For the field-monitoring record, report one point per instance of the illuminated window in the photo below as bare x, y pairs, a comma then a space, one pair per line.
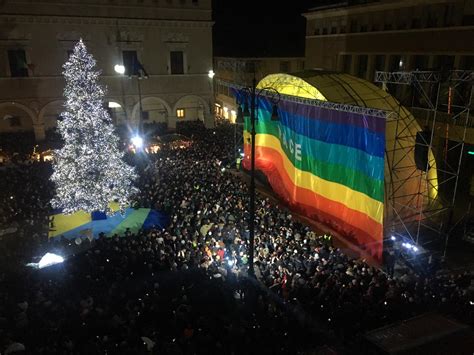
180, 113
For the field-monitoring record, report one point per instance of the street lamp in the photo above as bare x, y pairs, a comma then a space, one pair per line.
137, 141
138, 70
252, 94
120, 69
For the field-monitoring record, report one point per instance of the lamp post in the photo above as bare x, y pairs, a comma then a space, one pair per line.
138, 70
252, 94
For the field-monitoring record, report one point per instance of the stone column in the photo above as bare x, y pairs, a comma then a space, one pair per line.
431, 61
39, 131
354, 64
370, 68
457, 62
172, 123
388, 58
410, 63
209, 120
340, 62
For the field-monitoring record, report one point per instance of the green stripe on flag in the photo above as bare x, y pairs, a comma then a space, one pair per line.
134, 222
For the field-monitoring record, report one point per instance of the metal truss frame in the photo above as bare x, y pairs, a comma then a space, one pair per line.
418, 213
320, 103
407, 78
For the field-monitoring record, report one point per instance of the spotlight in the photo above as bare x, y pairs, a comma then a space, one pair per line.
393, 238
137, 141
50, 259
211, 74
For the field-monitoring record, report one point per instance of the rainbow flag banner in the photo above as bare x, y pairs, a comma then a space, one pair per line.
327, 164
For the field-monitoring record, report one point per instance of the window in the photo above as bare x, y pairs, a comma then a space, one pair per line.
285, 66
380, 63
325, 31
317, 31
353, 26
415, 23
346, 63
395, 61
362, 69
448, 15
401, 26
195, 2
468, 20
180, 113
343, 29
375, 27
444, 61
432, 20
15, 121
421, 62
467, 62
333, 30
363, 28
176, 61
387, 27
17, 60
130, 62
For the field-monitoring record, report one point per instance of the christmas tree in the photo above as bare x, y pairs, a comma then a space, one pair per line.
89, 172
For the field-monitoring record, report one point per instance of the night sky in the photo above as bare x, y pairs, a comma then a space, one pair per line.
260, 28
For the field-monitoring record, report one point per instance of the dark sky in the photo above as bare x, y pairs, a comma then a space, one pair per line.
259, 28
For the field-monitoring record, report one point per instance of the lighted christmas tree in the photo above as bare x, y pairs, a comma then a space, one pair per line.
89, 172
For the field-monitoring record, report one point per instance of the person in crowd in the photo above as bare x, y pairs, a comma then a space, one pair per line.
183, 289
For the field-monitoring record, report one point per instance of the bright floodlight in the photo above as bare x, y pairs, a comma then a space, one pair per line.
113, 104
211, 74
393, 238
120, 69
137, 141
50, 259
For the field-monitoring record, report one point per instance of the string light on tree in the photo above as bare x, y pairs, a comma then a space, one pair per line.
89, 172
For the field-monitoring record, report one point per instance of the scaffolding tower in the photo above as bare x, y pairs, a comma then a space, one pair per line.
446, 98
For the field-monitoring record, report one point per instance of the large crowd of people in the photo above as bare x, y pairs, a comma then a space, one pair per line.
184, 290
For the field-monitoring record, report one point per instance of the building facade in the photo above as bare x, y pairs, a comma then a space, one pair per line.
361, 37
171, 39
241, 71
